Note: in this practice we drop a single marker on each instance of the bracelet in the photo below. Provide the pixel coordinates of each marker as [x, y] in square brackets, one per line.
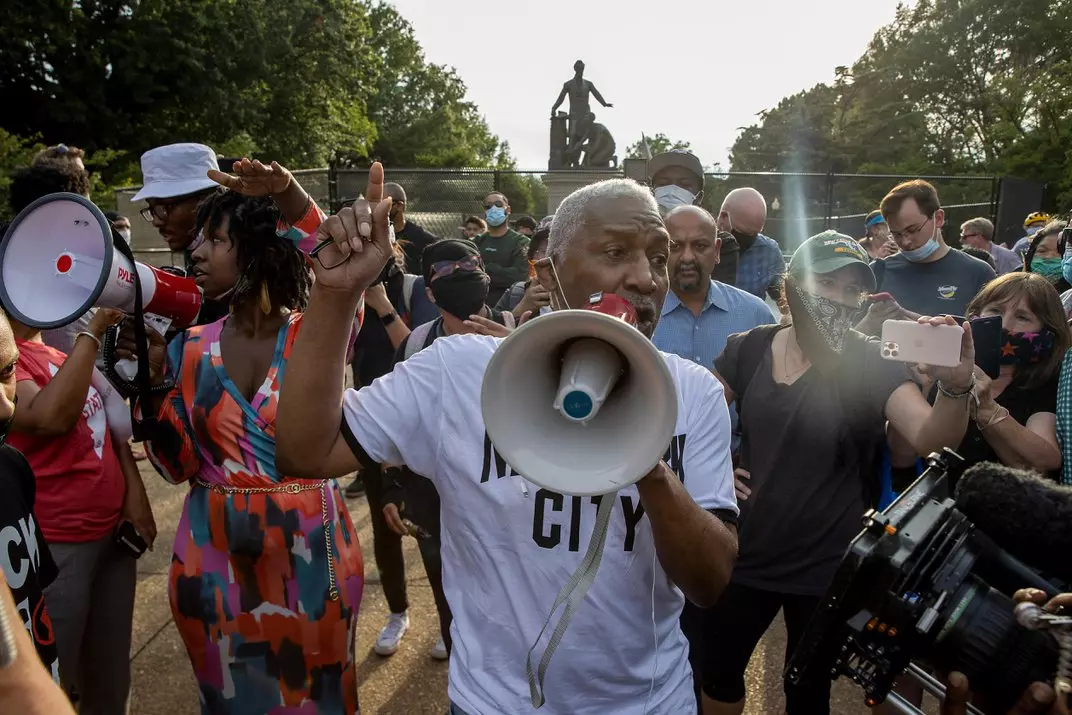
[966, 392]
[998, 417]
[89, 335]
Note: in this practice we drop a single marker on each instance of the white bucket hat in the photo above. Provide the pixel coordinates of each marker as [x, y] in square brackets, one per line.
[176, 170]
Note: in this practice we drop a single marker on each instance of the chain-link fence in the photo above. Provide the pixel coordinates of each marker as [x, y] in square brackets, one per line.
[800, 205]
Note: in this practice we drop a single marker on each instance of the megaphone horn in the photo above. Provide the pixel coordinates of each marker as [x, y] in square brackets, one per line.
[58, 260]
[595, 415]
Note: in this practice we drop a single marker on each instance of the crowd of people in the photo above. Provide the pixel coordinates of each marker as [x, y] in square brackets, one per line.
[791, 425]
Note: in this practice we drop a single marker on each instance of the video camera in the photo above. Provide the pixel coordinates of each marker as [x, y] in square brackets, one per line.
[921, 583]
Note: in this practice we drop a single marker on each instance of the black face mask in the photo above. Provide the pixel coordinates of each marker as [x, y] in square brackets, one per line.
[744, 240]
[461, 294]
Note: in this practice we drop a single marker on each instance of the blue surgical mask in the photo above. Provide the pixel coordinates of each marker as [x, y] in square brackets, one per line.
[1066, 267]
[496, 216]
[672, 196]
[918, 255]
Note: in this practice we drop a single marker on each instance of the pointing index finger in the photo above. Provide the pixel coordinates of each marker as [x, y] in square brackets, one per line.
[374, 188]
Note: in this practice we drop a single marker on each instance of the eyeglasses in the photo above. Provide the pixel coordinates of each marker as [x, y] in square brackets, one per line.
[330, 254]
[441, 269]
[159, 210]
[911, 231]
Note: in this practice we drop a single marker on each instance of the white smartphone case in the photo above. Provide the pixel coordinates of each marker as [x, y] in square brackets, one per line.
[909, 341]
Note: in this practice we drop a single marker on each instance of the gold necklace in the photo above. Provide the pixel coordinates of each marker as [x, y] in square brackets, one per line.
[785, 361]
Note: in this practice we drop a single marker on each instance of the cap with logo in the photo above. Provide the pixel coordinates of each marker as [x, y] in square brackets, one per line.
[176, 170]
[830, 251]
[676, 157]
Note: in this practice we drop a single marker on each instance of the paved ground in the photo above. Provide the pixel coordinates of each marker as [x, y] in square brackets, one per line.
[409, 683]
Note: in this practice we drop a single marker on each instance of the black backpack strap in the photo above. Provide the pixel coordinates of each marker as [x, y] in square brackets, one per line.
[749, 357]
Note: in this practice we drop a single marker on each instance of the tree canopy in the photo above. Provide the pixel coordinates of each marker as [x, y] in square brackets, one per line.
[657, 144]
[304, 82]
[948, 87]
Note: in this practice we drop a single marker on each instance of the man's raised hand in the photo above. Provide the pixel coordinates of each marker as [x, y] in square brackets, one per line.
[252, 178]
[354, 245]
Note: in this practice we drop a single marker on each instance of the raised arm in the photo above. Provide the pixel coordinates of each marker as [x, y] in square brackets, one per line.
[310, 440]
[1028, 446]
[55, 409]
[693, 520]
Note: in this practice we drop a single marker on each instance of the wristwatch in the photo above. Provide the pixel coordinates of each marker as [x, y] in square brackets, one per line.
[389, 318]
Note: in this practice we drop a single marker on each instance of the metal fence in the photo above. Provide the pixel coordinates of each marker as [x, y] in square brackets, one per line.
[800, 205]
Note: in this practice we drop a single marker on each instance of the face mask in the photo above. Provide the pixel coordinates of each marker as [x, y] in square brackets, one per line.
[672, 196]
[744, 240]
[1066, 268]
[125, 233]
[495, 216]
[461, 294]
[832, 320]
[1025, 348]
[1052, 269]
[918, 255]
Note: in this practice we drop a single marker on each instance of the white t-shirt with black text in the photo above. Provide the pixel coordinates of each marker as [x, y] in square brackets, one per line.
[508, 547]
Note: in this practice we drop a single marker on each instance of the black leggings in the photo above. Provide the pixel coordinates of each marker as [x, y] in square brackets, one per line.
[723, 638]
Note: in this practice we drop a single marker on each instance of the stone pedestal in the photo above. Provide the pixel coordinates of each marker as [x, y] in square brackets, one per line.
[561, 184]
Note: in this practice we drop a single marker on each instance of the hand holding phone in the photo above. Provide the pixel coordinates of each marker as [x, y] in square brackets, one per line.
[921, 343]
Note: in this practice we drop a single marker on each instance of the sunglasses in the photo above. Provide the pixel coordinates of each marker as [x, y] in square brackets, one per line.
[500, 204]
[440, 269]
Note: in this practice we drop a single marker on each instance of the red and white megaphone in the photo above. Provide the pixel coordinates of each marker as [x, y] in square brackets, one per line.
[58, 260]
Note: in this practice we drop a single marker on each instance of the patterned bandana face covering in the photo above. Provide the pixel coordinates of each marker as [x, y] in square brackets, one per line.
[1025, 348]
[832, 320]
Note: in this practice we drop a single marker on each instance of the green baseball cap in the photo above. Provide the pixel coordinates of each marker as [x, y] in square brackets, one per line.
[829, 251]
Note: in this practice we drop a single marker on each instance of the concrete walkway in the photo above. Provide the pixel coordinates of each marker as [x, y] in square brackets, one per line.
[409, 683]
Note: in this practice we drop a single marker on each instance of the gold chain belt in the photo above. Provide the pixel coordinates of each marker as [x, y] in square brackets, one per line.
[291, 488]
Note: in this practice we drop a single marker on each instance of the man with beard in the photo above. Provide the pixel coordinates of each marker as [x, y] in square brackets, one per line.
[760, 264]
[176, 178]
[409, 235]
[698, 316]
[508, 547]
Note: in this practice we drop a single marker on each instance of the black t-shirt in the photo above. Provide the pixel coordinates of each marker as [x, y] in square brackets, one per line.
[1021, 403]
[811, 475]
[24, 555]
[373, 352]
[413, 240]
[944, 287]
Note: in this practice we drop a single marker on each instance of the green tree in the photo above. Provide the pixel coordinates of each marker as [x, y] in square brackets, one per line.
[657, 144]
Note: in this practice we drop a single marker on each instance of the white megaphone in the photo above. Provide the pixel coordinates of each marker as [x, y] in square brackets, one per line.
[58, 260]
[598, 411]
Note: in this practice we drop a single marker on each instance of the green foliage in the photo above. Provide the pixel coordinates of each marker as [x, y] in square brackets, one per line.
[15, 152]
[950, 86]
[658, 144]
[304, 82]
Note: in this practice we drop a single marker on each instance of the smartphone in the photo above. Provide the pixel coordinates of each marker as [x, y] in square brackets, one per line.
[128, 539]
[986, 335]
[909, 341]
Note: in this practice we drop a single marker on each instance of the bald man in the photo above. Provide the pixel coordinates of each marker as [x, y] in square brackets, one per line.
[411, 237]
[760, 265]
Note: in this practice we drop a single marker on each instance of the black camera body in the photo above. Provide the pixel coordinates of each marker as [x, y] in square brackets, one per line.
[921, 583]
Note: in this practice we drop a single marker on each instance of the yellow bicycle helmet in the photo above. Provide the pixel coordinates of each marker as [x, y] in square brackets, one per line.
[1038, 219]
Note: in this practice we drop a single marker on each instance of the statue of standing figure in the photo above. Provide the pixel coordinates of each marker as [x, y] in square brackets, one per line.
[583, 132]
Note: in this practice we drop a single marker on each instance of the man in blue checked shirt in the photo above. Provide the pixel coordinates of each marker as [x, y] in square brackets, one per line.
[760, 266]
[700, 313]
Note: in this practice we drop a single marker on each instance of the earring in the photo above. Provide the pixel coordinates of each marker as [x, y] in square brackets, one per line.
[266, 301]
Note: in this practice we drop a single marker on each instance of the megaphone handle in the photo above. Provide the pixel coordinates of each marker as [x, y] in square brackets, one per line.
[142, 428]
[572, 594]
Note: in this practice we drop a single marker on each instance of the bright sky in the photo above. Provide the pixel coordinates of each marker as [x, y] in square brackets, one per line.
[696, 70]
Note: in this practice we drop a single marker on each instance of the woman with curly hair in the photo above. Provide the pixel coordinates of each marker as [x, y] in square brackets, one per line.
[266, 575]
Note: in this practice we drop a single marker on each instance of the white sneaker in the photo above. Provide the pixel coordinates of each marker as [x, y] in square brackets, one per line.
[391, 635]
[440, 651]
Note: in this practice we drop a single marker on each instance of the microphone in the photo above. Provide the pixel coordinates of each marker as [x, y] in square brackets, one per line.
[1026, 515]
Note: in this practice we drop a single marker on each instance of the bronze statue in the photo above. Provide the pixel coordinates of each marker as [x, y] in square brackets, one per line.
[566, 153]
[595, 142]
